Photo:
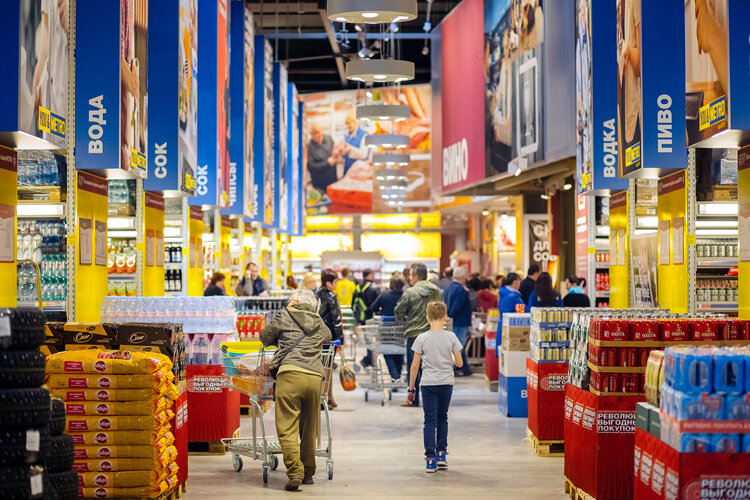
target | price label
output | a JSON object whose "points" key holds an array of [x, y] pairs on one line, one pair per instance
{"points": [[32, 440]]}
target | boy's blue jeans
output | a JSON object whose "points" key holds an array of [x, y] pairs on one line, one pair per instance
{"points": [[435, 400]]}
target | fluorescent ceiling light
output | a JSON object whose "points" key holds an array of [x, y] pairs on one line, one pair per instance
{"points": [[172, 232], [567, 186], [380, 70], [384, 112], [718, 208], [647, 221], [366, 11], [122, 234], [207, 237], [716, 232], [391, 159], [388, 141], [716, 223], [545, 196], [41, 209]]}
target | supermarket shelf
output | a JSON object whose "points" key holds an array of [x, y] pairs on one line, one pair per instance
{"points": [[122, 277], [616, 369], [36, 194], [45, 209], [718, 306], [717, 262], [173, 265], [602, 265], [49, 306], [716, 276], [602, 293]]}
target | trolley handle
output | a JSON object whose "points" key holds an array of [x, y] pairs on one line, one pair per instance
{"points": [[336, 342]]}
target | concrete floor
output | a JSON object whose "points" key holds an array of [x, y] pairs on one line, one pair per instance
{"points": [[378, 454]]}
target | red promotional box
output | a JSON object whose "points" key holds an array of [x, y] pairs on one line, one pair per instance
{"points": [[704, 330], [661, 472], [674, 330], [545, 385], [214, 409], [599, 439], [644, 330], [610, 329]]}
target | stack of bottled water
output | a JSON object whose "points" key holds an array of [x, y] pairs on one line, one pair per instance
{"points": [[198, 315], [27, 284], [39, 168]]}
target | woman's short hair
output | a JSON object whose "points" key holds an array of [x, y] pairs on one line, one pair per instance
{"points": [[303, 297]]}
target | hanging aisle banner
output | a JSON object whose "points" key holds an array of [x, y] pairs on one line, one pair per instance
{"points": [[34, 36], [263, 136], [300, 210], [717, 73], [293, 171], [173, 87], [111, 87], [650, 84], [281, 146], [596, 88], [243, 177], [212, 175]]}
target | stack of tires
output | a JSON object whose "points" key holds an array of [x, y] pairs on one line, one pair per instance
{"points": [[36, 458]]}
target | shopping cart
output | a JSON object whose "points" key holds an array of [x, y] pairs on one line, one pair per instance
{"points": [[250, 374], [383, 336], [473, 347]]}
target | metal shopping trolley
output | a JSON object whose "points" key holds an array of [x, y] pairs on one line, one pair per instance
{"points": [[249, 373], [383, 336]]}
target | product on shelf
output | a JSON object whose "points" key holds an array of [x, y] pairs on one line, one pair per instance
{"points": [[40, 168], [550, 334], [515, 332], [725, 249], [121, 197], [173, 280], [122, 448]]}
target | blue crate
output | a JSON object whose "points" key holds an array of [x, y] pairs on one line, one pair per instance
{"points": [[512, 396]]}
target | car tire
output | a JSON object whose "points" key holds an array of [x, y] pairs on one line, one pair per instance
{"points": [[15, 482], [65, 484], [61, 454], [21, 369], [27, 408], [13, 446], [26, 328], [57, 417]]}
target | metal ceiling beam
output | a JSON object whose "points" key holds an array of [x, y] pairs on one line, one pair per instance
{"points": [[334, 47]]}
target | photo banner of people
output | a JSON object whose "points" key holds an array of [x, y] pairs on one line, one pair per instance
{"points": [[43, 69], [514, 35], [133, 85], [188, 95], [339, 175]]}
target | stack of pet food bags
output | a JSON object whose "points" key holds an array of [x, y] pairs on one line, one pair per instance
{"points": [[36, 458], [119, 407]]}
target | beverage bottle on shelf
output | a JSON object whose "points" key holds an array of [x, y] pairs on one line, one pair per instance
{"points": [[200, 350]]}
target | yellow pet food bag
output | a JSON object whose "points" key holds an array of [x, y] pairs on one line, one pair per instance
{"points": [[114, 395], [97, 381], [125, 479], [147, 452], [133, 408], [131, 438], [108, 362], [143, 492]]}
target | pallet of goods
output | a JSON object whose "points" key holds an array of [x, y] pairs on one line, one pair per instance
{"points": [[693, 435], [607, 378], [119, 406]]}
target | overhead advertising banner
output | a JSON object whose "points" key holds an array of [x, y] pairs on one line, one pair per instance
{"points": [[281, 146], [173, 88], [300, 139], [243, 186], [717, 72], [263, 145], [212, 175], [339, 173], [461, 86], [596, 91], [537, 234], [650, 83], [112, 86], [34, 35], [293, 170]]}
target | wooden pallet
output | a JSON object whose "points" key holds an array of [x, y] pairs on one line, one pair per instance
{"points": [[576, 493], [545, 448]]}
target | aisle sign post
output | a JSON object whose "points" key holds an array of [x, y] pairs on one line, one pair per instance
{"points": [[112, 87], [619, 250], [673, 269], [153, 258], [90, 245], [650, 84], [596, 87], [173, 88]]}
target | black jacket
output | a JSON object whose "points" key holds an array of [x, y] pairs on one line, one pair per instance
{"points": [[386, 302], [330, 313], [528, 285], [212, 290], [576, 300]]}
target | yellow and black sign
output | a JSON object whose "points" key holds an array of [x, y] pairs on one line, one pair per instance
{"points": [[51, 123], [633, 154], [713, 113], [190, 182], [137, 160]]}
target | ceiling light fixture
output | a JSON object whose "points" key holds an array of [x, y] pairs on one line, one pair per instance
{"points": [[361, 11], [391, 159], [388, 141], [504, 216], [485, 212], [545, 196], [380, 70], [383, 112], [567, 186], [518, 172]]}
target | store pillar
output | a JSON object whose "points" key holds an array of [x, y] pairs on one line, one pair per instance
{"points": [[673, 268], [195, 257], [619, 250], [743, 180]]}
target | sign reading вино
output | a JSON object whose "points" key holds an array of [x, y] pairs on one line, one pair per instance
{"points": [[650, 87], [173, 87], [111, 86], [596, 88]]}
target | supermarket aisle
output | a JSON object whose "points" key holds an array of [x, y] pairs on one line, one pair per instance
{"points": [[378, 454]]}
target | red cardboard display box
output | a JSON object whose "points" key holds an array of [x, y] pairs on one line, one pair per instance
{"points": [[661, 472], [599, 441], [491, 366], [214, 409], [545, 383]]}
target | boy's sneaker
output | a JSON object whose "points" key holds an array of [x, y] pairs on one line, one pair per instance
{"points": [[431, 466], [441, 462]]}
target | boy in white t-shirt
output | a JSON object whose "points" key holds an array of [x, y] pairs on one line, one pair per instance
{"points": [[438, 350]]}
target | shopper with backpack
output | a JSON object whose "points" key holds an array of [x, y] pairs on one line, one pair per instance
{"points": [[365, 294]]}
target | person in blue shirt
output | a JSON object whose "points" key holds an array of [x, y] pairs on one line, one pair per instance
{"points": [[509, 295], [355, 149], [457, 300], [544, 295]]}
